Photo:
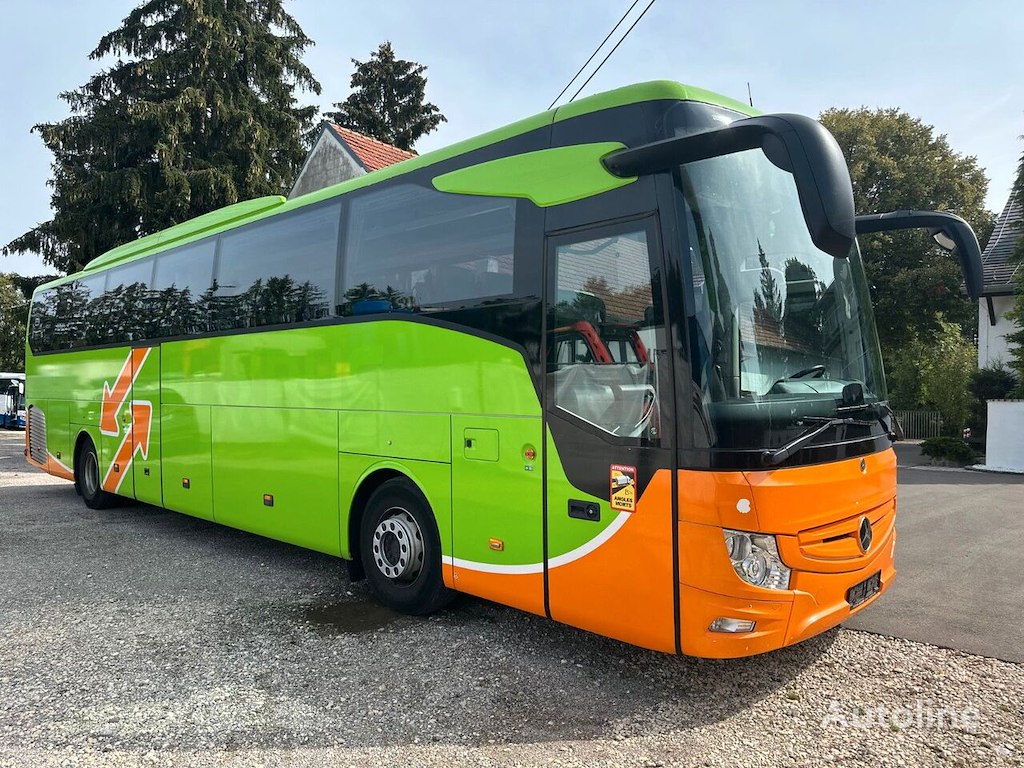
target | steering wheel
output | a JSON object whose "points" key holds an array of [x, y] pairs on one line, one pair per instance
{"points": [[815, 371]]}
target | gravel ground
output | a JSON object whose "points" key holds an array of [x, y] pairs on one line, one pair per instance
{"points": [[136, 636]]}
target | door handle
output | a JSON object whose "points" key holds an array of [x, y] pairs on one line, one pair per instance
{"points": [[584, 510]]}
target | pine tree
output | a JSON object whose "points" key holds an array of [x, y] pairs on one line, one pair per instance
{"points": [[387, 100], [198, 111]]}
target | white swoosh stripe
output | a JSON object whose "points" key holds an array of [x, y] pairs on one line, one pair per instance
{"points": [[472, 565], [554, 562]]}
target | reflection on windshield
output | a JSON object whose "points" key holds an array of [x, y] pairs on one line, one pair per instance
{"points": [[779, 328]]}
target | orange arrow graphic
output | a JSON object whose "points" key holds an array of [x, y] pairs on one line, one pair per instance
{"points": [[114, 398], [142, 416], [136, 440]]}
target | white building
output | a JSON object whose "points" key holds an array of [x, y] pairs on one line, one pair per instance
{"points": [[997, 297], [1004, 445]]}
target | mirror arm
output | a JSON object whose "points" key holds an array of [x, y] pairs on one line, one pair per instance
{"points": [[954, 227], [796, 144]]}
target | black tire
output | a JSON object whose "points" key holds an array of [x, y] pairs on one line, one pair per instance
{"points": [[406, 580], [87, 478]]}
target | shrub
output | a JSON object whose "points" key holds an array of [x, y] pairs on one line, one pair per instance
{"points": [[949, 449], [935, 373]]}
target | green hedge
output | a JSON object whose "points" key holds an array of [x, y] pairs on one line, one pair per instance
{"points": [[950, 449]]}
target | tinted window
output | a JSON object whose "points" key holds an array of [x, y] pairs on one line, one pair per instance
{"points": [[42, 325], [181, 293], [413, 248], [60, 316], [86, 324], [122, 314], [278, 271]]}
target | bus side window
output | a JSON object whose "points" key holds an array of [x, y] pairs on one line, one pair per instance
{"points": [[43, 321], [126, 305], [83, 298], [278, 271], [182, 281], [411, 248]]}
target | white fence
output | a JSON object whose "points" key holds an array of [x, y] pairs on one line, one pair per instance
{"points": [[920, 425]]}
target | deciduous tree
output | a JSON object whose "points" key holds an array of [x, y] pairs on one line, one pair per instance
{"points": [[934, 371], [897, 162], [198, 110], [13, 313]]}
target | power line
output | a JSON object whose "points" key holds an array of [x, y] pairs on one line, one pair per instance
{"points": [[573, 78], [612, 51]]}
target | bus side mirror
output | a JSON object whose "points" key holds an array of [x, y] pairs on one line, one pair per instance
{"points": [[949, 231], [794, 143]]}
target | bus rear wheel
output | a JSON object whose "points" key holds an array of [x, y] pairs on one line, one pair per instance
{"points": [[87, 478], [401, 551]]}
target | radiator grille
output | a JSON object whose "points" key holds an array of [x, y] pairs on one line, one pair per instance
{"points": [[37, 435]]}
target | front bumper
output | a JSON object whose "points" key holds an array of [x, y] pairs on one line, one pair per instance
{"points": [[815, 602]]}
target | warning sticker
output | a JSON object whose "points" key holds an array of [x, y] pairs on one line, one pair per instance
{"points": [[623, 487]]}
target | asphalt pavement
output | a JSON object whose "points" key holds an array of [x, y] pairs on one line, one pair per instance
{"points": [[959, 540]]}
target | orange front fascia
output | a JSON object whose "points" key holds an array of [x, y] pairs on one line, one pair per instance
{"points": [[798, 498], [820, 603], [812, 511]]}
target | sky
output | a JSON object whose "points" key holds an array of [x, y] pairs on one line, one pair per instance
{"points": [[954, 65]]}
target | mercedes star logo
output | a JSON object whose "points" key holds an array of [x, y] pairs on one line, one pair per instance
{"points": [[864, 534]]}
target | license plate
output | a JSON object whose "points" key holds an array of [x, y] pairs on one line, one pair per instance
{"points": [[858, 593]]}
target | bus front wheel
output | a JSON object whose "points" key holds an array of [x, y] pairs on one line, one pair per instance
{"points": [[87, 478], [401, 550]]}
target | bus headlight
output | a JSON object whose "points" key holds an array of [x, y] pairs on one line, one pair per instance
{"points": [[755, 558]]}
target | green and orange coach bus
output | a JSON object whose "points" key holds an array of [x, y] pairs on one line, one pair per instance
{"points": [[614, 364]]}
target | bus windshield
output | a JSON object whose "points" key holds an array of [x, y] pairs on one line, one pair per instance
{"points": [[777, 327]]}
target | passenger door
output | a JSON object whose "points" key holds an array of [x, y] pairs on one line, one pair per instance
{"points": [[144, 415], [610, 427]]}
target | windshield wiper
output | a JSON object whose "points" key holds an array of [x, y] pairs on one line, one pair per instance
{"points": [[772, 458], [884, 413]]}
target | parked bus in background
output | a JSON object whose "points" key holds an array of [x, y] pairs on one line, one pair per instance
{"points": [[614, 364], [12, 400]]}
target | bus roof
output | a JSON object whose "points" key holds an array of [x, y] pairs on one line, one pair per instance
{"points": [[259, 208]]}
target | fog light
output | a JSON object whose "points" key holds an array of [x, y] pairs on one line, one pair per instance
{"points": [[731, 625]]}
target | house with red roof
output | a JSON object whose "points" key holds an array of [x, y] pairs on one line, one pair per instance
{"points": [[340, 154]]}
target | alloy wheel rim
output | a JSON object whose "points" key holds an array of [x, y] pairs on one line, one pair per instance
{"points": [[398, 546]]}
